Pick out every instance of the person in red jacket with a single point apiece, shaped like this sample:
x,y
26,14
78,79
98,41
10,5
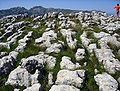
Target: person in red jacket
x,y
117,8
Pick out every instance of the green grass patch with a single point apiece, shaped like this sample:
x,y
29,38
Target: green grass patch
x,y
115,50
4,49
30,50
92,63
4,87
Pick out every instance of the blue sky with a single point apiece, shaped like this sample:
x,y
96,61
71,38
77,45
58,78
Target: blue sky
x,y
104,5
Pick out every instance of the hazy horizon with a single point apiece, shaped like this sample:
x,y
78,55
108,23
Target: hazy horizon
x,y
103,5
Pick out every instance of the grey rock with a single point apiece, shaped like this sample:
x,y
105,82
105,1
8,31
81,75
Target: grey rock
x,y
96,71
106,57
35,26
71,41
7,63
38,18
15,26
31,63
37,62
67,77
3,54
67,64
16,89
50,78
63,88
66,32
51,61
47,37
35,77
80,54
56,47
92,47
85,40
101,35
23,42
19,77
106,82
35,87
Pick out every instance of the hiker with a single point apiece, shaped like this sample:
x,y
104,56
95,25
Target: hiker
x,y
117,7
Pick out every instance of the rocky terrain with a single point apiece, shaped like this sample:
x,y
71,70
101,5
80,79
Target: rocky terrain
x,y
60,52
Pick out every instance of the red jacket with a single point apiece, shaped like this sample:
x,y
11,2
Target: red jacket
x,y
117,8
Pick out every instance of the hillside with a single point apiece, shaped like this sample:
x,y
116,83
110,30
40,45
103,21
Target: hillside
x,y
59,52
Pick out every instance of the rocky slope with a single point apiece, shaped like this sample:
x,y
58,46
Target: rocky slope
x,y
60,52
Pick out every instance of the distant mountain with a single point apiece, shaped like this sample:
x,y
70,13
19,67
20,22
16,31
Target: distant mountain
x,y
13,11
37,10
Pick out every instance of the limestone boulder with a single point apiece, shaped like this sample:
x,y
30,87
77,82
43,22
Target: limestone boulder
x,y
66,77
67,64
106,82
63,88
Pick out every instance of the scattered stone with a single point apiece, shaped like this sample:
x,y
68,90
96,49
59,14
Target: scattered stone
x,y
85,64
23,42
71,41
85,40
67,77
47,29
67,64
63,88
80,54
31,64
37,62
35,77
38,18
66,32
101,35
96,71
47,37
15,26
50,78
7,63
16,89
35,87
35,26
106,38
51,61
3,54
19,77
54,48
106,82
92,47
106,57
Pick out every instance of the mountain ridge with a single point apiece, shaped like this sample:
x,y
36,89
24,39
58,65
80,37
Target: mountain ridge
x,y
36,10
